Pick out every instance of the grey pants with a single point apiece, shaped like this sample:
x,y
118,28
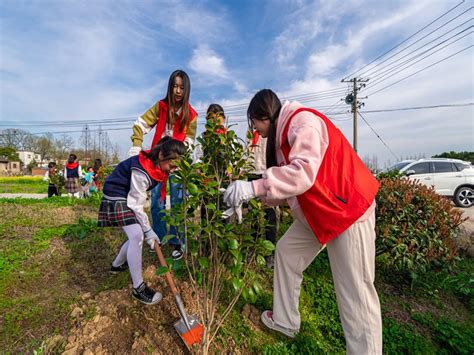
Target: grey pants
x,y
352,259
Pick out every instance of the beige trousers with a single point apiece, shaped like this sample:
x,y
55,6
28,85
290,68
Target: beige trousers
x,y
352,259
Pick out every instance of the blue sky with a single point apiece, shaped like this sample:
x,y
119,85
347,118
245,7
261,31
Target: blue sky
x,y
80,60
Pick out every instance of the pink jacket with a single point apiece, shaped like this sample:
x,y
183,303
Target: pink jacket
x,y
308,138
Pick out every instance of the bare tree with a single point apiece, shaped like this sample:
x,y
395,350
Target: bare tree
x,y
17,138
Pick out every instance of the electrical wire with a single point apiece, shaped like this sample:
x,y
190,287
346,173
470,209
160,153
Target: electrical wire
x,y
366,73
385,77
378,135
396,64
405,40
419,71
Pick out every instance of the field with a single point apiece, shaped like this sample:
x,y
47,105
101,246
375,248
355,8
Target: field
x,y
23,184
56,294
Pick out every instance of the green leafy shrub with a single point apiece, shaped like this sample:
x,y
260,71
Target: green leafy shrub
x,y
457,338
415,226
222,255
403,339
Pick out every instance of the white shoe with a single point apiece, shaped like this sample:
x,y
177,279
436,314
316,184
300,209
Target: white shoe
x,y
267,319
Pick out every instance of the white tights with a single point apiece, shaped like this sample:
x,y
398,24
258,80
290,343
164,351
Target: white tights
x,y
131,251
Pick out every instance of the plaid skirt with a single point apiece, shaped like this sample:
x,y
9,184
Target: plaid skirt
x,y
115,213
72,185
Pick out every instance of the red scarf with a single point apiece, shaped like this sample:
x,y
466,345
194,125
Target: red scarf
x,y
72,165
154,171
162,113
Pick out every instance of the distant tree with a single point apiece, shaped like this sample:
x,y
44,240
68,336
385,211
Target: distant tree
x,y
371,163
44,146
467,156
31,165
9,153
17,138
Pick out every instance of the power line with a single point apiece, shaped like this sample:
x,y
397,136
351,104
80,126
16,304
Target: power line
x,y
419,71
385,77
427,35
394,65
378,136
328,114
399,44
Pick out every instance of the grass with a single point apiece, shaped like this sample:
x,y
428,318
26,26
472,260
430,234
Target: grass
x,y
51,252
23,184
48,257
432,315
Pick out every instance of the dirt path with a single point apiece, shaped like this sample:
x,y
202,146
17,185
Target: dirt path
x,y
23,195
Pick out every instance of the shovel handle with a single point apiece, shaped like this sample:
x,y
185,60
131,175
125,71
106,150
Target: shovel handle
x,y
168,276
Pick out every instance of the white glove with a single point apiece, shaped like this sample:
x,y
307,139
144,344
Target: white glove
x,y
151,238
134,151
238,192
231,211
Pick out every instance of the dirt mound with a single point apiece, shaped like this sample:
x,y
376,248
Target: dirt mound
x,y
113,322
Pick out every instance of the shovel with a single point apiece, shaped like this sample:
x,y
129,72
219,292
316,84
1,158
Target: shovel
x,y
188,327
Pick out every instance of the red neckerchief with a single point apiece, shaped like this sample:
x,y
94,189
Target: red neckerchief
x,y
256,137
154,171
72,165
162,113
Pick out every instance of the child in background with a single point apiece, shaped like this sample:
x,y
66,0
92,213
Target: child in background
x,y
72,173
89,187
214,112
97,170
174,117
123,202
52,171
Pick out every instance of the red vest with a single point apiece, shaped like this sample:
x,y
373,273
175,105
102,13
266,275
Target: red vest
x,y
343,190
162,113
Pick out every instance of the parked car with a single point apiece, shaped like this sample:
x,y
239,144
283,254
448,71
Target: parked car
x,y
398,166
449,177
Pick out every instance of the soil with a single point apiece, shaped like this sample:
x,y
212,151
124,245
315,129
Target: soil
x,y
113,322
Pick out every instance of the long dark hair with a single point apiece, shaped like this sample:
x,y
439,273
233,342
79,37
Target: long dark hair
x,y
97,165
172,108
170,149
266,105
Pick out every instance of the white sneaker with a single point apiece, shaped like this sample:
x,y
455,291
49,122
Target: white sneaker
x,y
267,319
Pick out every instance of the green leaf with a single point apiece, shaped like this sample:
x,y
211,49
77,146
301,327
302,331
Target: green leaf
x,y
203,262
268,245
167,238
252,295
234,244
237,284
161,270
260,260
192,189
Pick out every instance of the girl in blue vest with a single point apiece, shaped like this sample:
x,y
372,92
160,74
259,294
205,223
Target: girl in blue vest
x,y
72,173
173,116
123,201
331,193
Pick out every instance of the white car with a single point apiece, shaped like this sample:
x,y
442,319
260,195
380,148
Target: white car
x,y
449,177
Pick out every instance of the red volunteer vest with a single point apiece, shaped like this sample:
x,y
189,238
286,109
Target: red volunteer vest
x,y
162,113
343,190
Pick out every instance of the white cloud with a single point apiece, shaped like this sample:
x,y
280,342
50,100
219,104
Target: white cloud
x,y
207,62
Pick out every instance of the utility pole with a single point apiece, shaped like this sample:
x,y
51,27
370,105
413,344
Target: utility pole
x,y
351,99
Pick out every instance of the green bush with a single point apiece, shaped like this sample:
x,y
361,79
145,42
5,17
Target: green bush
x,y
457,338
403,339
415,226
